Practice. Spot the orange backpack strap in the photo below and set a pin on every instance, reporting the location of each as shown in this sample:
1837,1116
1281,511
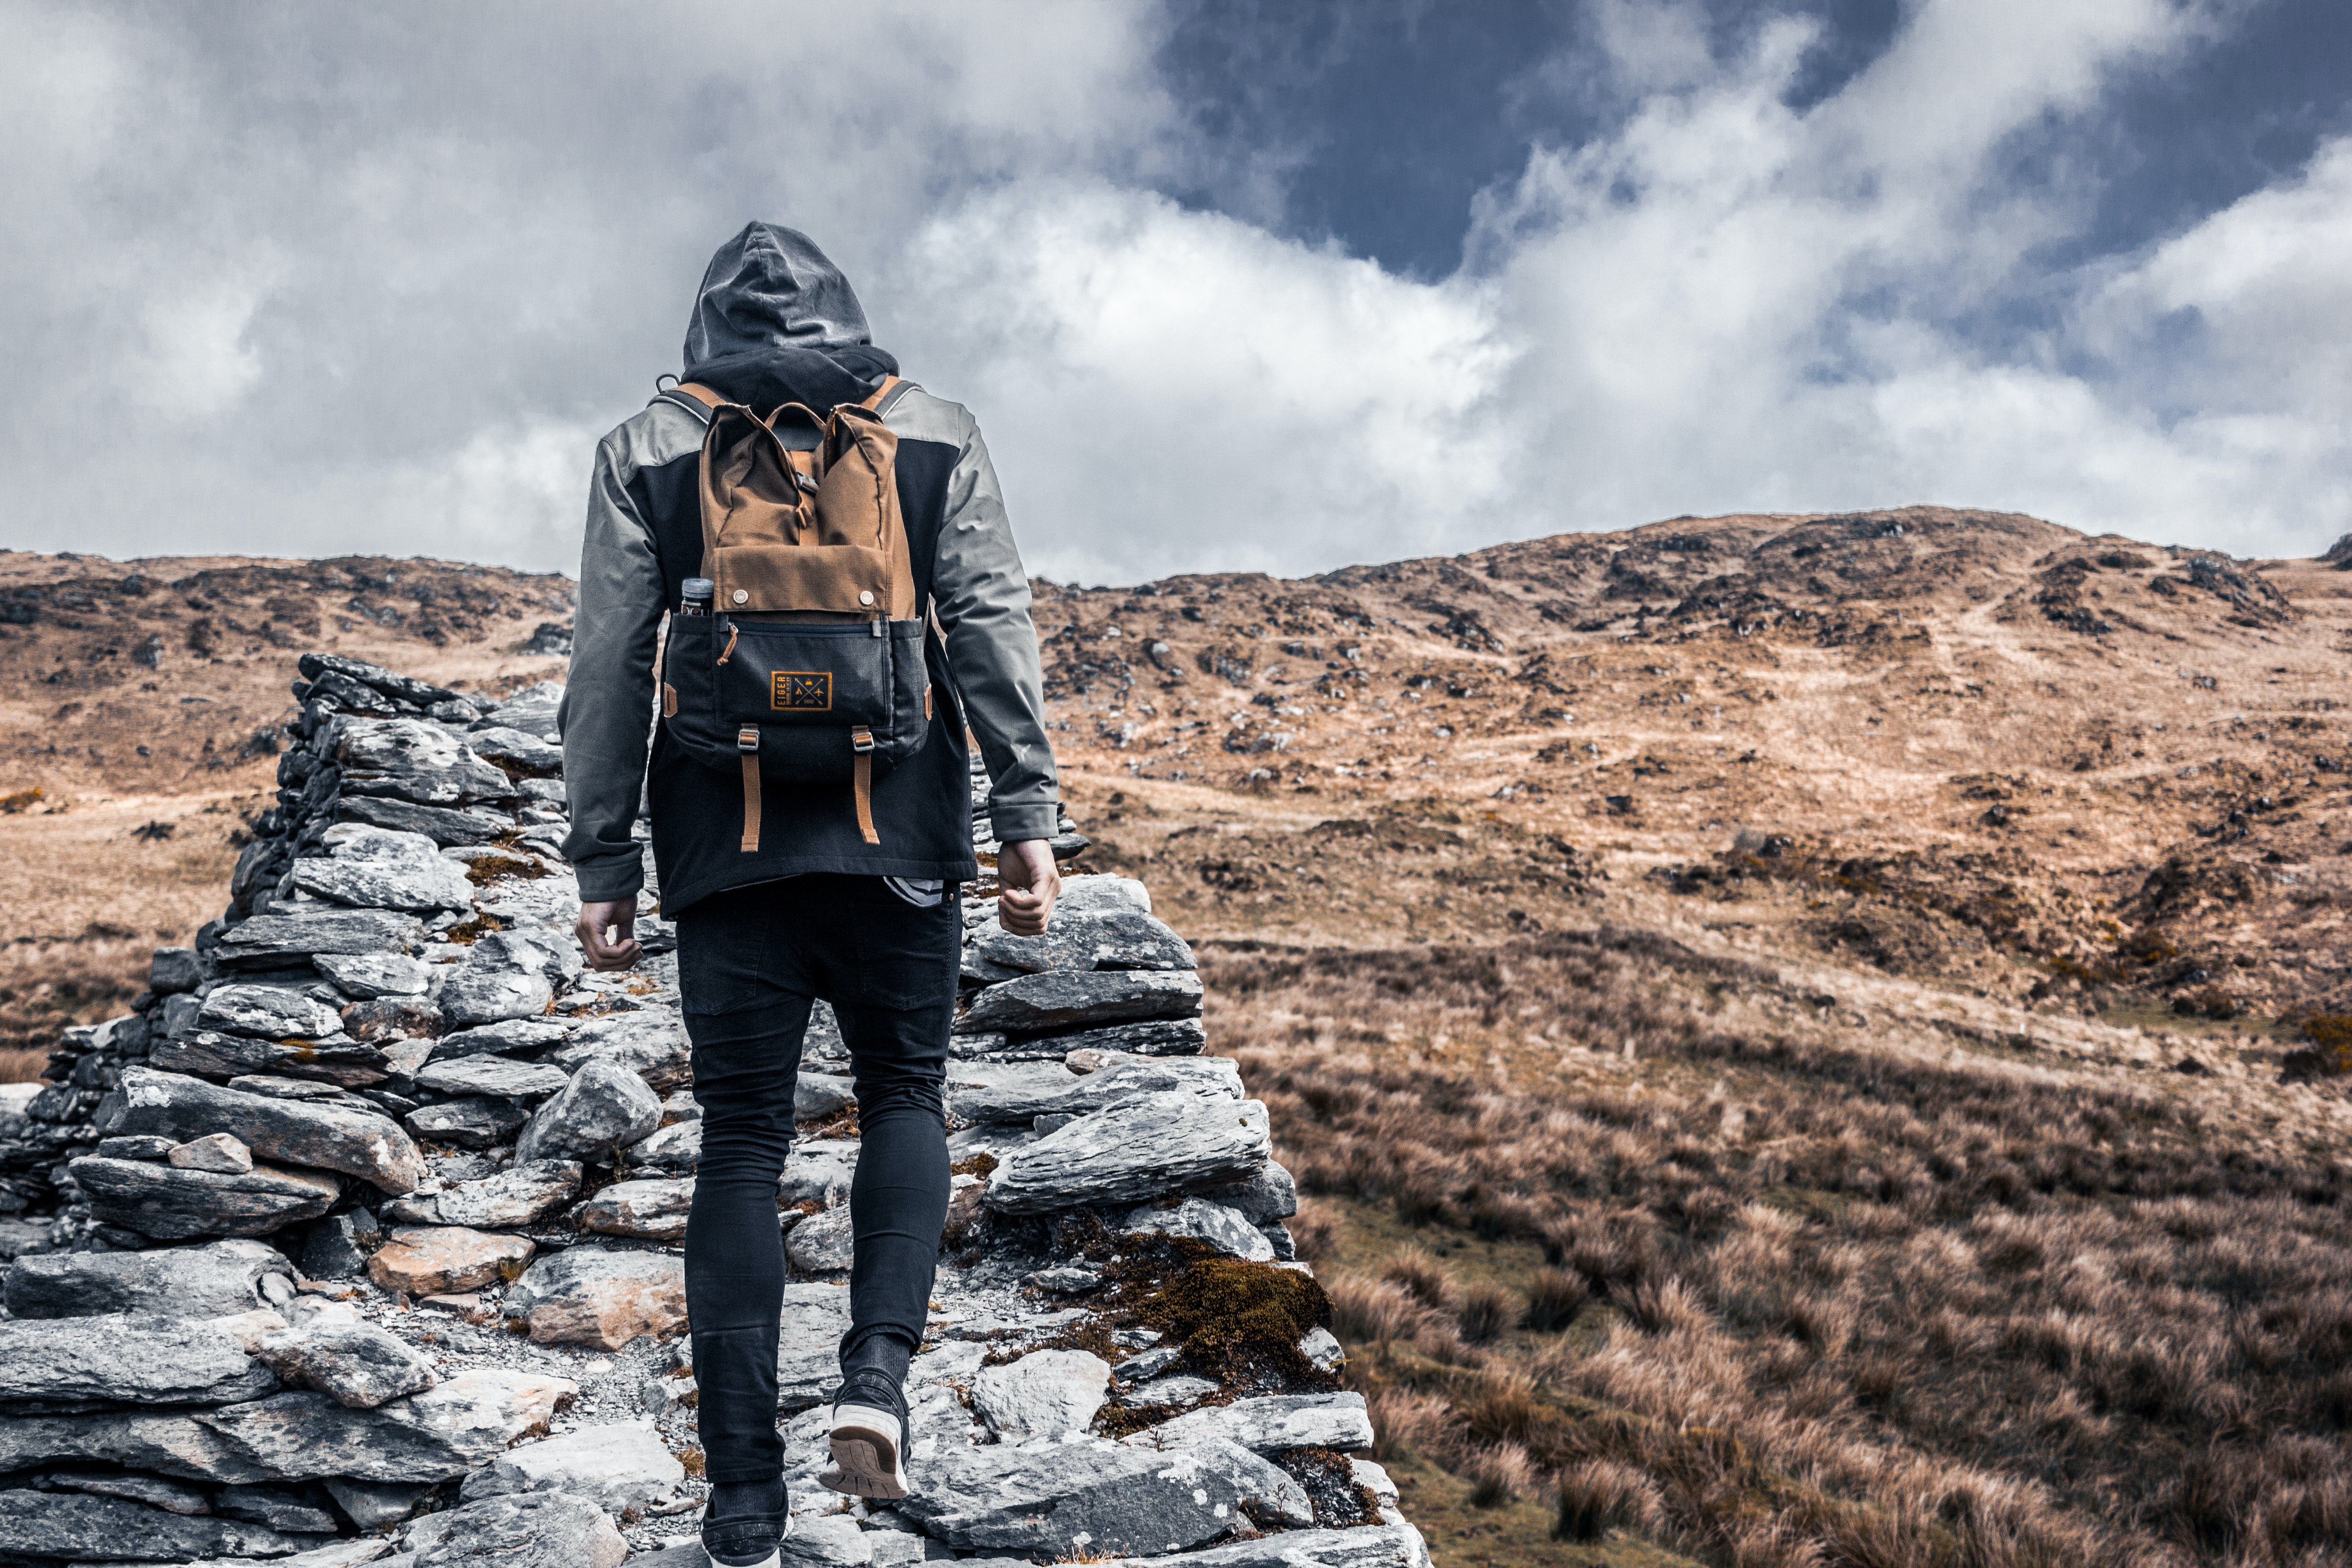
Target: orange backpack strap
746,741
861,784
889,384
692,396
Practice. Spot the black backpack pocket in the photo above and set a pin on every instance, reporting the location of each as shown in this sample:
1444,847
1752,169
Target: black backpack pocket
796,676
806,690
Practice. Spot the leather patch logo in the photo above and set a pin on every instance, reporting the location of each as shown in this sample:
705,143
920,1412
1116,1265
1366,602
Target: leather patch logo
800,691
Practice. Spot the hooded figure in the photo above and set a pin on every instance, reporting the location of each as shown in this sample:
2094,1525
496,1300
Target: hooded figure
814,907
776,322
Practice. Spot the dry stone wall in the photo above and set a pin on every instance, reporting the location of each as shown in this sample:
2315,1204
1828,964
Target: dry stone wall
358,1241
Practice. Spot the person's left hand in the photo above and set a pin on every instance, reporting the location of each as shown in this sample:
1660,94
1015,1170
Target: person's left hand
620,915
1028,883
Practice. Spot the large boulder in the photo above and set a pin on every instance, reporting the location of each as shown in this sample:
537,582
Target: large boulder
1163,1144
217,1280
301,1132
170,1203
601,1109
75,1364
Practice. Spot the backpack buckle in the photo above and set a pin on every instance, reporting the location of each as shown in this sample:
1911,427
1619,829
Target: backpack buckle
747,739
861,739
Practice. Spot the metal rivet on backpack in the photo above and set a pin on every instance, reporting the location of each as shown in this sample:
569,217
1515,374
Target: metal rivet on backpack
741,594
867,597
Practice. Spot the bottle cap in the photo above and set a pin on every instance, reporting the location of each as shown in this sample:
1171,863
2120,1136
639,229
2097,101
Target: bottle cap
701,588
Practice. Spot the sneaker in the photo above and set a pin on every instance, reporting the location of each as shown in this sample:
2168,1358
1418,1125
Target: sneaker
869,1441
745,1524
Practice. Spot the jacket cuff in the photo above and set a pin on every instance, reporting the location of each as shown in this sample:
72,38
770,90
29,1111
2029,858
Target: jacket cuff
616,878
1014,822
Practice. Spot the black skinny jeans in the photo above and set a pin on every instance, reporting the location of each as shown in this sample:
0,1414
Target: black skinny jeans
749,963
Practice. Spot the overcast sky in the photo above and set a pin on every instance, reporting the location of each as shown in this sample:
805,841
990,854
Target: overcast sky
1229,285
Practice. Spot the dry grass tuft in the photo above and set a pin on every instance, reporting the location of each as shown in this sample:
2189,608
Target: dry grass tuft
1483,1313
1597,1496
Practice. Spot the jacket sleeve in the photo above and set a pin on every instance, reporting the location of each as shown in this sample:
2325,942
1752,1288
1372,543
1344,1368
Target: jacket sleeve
607,712
983,602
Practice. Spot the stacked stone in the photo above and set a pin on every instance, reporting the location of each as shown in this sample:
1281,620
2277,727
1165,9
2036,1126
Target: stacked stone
359,1240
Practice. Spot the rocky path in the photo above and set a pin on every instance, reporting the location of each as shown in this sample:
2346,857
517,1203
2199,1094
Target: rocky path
358,1241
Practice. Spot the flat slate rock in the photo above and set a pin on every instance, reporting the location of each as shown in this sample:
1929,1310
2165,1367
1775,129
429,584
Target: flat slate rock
380,868
1225,1229
170,1443
170,1203
155,1491
82,1528
390,683
523,1194
1120,1080
270,1011
646,1208
1270,1422
1052,1499
587,1295
355,1363
1065,999
622,1465
1122,939
819,1171
676,1147
336,1059
1152,1038
416,761
501,1038
436,1260
1270,1195
823,1243
1163,1144
276,939
654,1047
1045,1394
474,824
1373,1546
529,1530
364,976
437,1435
210,1281
534,710
472,1123
300,1133
68,1364
500,1077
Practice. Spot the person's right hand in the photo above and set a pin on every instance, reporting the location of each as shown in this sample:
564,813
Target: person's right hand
618,915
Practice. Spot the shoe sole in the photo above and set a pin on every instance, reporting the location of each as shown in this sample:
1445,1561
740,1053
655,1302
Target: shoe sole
865,1458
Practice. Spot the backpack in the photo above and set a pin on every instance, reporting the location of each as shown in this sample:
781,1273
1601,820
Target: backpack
811,666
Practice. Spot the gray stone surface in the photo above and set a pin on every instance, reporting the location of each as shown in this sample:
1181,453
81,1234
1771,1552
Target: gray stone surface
214,1280
337,1059
1175,1391
1322,1347
363,976
378,868
533,710
1270,1195
270,1011
266,940
174,969
472,824
371,1505
1045,1394
819,1171
1052,1500
821,1244
416,761
79,1527
299,1132
473,1123
525,1529
1152,1038
502,1078
275,1509
354,1362
155,1491
600,1110
1102,894
1374,1546
70,1363
818,1094
1119,1080
338,1247
432,1260
620,1464
523,1194
654,1047
1270,1423
511,1036
586,1295
137,1146
1120,939
508,975
503,743
390,683
1220,1227
219,1153
674,1148
1166,1143
170,1203
650,1209
808,1342
170,1443
437,1435
1059,1000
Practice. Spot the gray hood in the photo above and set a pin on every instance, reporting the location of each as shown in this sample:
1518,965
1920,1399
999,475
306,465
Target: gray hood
771,287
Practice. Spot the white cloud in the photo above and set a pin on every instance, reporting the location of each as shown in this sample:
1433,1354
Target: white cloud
374,280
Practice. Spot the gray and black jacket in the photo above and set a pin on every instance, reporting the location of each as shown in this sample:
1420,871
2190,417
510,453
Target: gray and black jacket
644,539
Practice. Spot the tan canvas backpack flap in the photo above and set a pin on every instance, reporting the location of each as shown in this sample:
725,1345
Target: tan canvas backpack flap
812,667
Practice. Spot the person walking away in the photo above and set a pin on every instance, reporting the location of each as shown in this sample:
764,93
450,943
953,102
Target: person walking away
831,546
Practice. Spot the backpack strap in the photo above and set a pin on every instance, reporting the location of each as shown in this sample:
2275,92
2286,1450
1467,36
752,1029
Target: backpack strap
692,396
746,741
861,786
